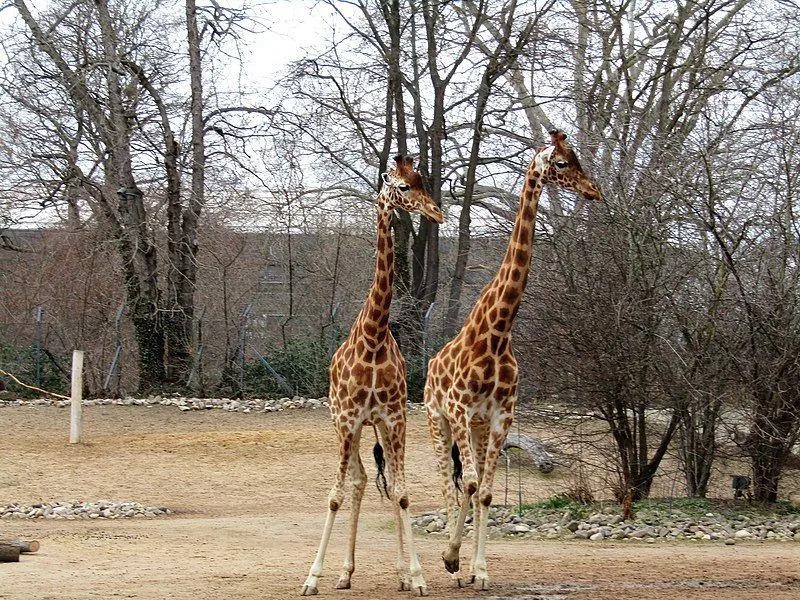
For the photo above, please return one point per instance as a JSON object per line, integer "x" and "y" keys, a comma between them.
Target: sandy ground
{"x": 249, "y": 495}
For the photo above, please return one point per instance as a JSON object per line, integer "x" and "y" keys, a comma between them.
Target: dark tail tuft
{"x": 380, "y": 462}
{"x": 457, "y": 473}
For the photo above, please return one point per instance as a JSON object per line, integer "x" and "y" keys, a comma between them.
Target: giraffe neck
{"x": 374, "y": 317}
{"x": 502, "y": 296}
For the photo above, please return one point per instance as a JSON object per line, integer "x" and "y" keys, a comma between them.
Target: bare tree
{"x": 118, "y": 152}
{"x": 645, "y": 82}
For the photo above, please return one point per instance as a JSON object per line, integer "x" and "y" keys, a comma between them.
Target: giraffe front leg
{"x": 403, "y": 577}
{"x": 335, "y": 498}
{"x": 310, "y": 586}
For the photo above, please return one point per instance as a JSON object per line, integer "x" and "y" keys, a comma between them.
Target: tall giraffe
{"x": 368, "y": 387}
{"x": 471, "y": 390}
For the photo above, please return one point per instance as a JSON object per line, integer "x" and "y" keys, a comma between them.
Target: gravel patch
{"x": 186, "y": 404}
{"x": 82, "y": 510}
{"x": 648, "y": 527}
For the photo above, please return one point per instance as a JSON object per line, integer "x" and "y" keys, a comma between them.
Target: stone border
{"x": 82, "y": 510}
{"x": 649, "y": 526}
{"x": 186, "y": 404}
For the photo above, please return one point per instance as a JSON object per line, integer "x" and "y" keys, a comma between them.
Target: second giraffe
{"x": 471, "y": 390}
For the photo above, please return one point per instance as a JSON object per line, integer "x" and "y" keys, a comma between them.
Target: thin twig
{"x": 31, "y": 387}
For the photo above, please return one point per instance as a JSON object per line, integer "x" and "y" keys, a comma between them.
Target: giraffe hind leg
{"x": 480, "y": 439}
{"x": 384, "y": 486}
{"x": 500, "y": 425}
{"x": 448, "y": 462}
{"x": 461, "y": 435}
{"x": 395, "y": 437}
{"x": 358, "y": 481}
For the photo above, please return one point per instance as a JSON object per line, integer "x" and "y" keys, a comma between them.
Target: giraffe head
{"x": 403, "y": 188}
{"x": 560, "y": 166}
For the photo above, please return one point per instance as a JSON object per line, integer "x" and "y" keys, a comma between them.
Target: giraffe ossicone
{"x": 471, "y": 389}
{"x": 368, "y": 388}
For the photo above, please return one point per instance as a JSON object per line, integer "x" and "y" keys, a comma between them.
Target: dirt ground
{"x": 249, "y": 494}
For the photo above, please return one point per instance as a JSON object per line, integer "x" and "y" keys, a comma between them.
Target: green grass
{"x": 692, "y": 507}
{"x": 559, "y": 505}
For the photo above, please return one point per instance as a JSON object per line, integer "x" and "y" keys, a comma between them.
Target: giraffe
{"x": 368, "y": 387}
{"x": 471, "y": 389}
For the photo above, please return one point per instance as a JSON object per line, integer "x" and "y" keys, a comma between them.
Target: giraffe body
{"x": 471, "y": 389}
{"x": 368, "y": 388}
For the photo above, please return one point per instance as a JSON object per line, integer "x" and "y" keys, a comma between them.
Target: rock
{"x": 508, "y": 528}
{"x": 434, "y": 526}
{"x": 730, "y": 541}
{"x": 742, "y": 534}
{"x": 597, "y": 536}
{"x": 573, "y": 526}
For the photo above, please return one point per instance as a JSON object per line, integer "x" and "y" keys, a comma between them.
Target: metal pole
{"x": 278, "y": 377}
{"x": 508, "y": 466}
{"x": 519, "y": 469}
{"x": 114, "y": 370}
{"x": 333, "y": 331}
{"x": 38, "y": 354}
{"x": 425, "y": 320}
{"x": 243, "y": 345}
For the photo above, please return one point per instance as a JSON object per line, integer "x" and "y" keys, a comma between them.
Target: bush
{"x": 22, "y": 363}
{"x": 303, "y": 365}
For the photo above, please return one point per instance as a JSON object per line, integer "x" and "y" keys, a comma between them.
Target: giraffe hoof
{"x": 451, "y": 564}
{"x": 343, "y": 583}
{"x": 421, "y": 591}
{"x": 480, "y": 584}
{"x": 309, "y": 590}
{"x": 404, "y": 586}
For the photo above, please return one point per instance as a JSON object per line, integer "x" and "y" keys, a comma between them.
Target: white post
{"x": 77, "y": 397}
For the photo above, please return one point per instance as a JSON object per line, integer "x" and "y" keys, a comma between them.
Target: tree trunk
{"x": 766, "y": 473}
{"x": 637, "y": 470}
{"x": 150, "y": 341}
{"x": 183, "y": 223}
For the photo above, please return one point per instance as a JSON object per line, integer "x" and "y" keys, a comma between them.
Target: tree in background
{"x": 103, "y": 99}
{"x": 649, "y": 87}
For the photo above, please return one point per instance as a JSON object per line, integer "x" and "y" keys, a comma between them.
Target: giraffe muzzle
{"x": 434, "y": 213}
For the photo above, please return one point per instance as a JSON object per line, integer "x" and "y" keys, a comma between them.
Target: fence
{"x": 254, "y": 353}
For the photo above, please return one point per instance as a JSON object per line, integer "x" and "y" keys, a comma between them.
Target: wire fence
{"x": 251, "y": 354}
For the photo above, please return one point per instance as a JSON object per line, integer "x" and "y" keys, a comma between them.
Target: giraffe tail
{"x": 457, "y": 469}
{"x": 380, "y": 463}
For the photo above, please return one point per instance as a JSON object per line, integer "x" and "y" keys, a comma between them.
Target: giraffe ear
{"x": 410, "y": 161}
{"x": 398, "y": 159}
{"x": 557, "y": 136}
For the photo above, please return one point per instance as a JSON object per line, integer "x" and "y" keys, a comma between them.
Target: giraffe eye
{"x": 561, "y": 164}
{"x": 403, "y": 187}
